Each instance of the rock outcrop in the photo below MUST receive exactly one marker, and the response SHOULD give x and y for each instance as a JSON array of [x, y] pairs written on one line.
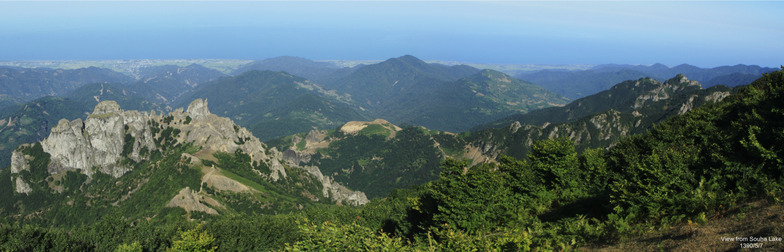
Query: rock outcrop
[[190, 201], [110, 135], [335, 191], [98, 141]]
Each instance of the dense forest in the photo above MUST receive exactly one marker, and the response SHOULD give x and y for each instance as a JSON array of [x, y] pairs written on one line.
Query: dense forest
[[688, 169]]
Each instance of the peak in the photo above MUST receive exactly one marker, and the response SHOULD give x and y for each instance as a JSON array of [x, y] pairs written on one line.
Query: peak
[[491, 72], [409, 59], [354, 127], [289, 58], [681, 79], [685, 66], [492, 75], [659, 65], [106, 107], [198, 108], [380, 121], [194, 65]]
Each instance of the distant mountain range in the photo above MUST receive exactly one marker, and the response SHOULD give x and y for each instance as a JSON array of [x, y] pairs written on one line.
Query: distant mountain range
[[581, 83], [403, 90]]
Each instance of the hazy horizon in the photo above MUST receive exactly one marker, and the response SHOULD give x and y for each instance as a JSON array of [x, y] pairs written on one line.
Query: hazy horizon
[[704, 34]]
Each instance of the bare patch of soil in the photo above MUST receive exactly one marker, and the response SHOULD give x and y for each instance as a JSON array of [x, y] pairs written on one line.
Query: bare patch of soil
[[753, 226]]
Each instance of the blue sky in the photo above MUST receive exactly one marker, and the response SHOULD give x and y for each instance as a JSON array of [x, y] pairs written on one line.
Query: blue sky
[[705, 34]]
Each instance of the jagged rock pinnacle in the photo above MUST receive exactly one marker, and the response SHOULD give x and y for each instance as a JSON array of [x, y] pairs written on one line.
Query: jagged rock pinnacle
[[106, 107], [198, 108]]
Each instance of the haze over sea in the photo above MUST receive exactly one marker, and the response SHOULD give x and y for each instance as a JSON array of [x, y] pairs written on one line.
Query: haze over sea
[[706, 34]]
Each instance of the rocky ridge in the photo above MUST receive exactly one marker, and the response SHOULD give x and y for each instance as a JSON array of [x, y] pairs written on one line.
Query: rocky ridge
[[110, 134], [653, 102]]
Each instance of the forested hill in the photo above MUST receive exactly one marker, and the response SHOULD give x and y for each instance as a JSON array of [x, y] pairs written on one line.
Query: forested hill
[[407, 90]]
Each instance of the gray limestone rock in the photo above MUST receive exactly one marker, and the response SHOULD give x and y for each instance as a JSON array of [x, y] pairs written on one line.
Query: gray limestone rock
[[97, 144]]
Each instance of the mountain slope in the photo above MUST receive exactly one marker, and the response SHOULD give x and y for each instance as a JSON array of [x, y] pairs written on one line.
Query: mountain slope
[[91, 94], [164, 84], [408, 90], [577, 84], [599, 120], [374, 157], [625, 97], [274, 104], [24, 84], [474, 100]]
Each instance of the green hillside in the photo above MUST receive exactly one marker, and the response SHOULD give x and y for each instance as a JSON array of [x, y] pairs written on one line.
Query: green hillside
[[407, 90], [374, 157]]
